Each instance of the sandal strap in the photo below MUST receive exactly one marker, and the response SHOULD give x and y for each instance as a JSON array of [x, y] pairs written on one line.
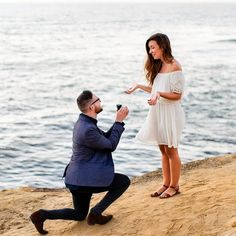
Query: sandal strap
[[176, 188], [156, 194]]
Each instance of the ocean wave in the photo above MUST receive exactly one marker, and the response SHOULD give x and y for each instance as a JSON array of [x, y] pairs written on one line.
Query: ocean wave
[[226, 41], [49, 58]]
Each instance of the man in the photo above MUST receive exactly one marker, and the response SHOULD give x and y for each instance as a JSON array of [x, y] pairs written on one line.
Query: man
[[91, 168]]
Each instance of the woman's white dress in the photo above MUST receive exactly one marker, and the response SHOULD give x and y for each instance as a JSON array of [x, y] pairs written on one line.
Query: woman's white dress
[[165, 120]]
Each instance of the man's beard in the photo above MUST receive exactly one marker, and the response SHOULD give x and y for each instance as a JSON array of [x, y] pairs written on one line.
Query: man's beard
[[98, 110]]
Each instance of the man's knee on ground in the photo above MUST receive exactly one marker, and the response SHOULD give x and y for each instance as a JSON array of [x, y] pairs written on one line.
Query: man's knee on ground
[[82, 217], [127, 181]]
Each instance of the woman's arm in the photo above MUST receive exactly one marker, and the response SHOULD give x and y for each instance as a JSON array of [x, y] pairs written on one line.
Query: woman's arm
[[171, 96], [145, 88]]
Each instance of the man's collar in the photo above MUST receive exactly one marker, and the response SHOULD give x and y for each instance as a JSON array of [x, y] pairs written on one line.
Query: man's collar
[[88, 118]]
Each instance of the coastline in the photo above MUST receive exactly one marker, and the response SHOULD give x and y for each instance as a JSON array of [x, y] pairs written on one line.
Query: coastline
[[206, 205]]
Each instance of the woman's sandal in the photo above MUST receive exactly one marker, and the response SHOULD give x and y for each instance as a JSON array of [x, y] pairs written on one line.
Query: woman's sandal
[[156, 194], [167, 195]]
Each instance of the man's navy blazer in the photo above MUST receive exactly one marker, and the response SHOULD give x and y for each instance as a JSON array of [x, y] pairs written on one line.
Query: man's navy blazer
[[91, 163]]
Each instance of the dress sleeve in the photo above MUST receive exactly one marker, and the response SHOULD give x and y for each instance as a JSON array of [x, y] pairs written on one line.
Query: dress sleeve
[[177, 83]]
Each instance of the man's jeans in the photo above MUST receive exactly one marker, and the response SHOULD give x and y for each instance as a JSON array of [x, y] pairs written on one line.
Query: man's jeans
[[82, 196]]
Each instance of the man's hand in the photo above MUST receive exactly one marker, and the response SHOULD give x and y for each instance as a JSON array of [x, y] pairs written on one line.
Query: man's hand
[[121, 114]]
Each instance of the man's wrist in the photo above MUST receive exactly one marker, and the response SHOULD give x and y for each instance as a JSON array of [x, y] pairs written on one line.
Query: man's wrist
[[120, 122]]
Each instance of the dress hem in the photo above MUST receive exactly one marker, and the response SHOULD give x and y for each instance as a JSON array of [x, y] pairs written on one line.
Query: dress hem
[[155, 143]]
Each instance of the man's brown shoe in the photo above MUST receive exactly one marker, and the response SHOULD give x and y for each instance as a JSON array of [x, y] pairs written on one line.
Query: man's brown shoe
[[98, 219], [38, 220]]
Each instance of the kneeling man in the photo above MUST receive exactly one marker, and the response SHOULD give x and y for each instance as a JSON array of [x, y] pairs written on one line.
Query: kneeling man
[[91, 168]]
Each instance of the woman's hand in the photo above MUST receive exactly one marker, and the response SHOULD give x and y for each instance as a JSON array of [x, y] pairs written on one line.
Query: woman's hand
[[132, 88], [153, 99]]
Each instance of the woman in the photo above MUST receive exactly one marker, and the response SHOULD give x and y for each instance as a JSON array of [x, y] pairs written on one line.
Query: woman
[[165, 120]]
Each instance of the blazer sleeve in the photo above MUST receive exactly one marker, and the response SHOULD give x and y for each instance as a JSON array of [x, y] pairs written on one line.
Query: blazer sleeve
[[100, 140], [108, 133]]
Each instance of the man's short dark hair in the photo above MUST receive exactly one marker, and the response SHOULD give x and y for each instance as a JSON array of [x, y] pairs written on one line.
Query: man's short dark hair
[[84, 98]]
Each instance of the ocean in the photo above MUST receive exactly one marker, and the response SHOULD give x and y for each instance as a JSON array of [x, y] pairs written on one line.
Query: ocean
[[49, 53]]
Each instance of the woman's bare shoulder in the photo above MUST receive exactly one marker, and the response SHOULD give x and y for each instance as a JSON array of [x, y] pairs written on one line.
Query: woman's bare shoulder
[[176, 66]]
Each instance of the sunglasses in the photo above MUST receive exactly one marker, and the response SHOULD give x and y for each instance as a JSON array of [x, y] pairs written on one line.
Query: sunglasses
[[98, 99]]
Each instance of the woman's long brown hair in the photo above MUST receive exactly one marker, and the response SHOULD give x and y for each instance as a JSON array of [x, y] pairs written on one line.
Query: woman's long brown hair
[[152, 66]]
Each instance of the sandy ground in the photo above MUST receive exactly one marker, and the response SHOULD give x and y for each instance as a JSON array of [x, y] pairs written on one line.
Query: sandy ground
[[206, 206]]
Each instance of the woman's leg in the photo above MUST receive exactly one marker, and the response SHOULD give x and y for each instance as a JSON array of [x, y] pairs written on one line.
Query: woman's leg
[[175, 168], [165, 172], [165, 166]]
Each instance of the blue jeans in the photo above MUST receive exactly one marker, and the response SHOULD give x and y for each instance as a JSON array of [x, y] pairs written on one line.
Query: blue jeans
[[81, 200]]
